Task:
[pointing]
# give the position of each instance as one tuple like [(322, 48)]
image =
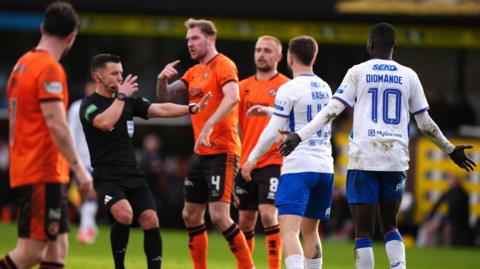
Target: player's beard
[(265, 68)]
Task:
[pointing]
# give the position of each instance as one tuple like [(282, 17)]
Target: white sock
[(294, 262), (87, 215), (396, 254), (364, 258), (314, 263)]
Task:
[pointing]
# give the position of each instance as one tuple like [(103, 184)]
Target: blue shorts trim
[(371, 187), (306, 194)]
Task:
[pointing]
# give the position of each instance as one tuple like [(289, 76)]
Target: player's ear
[(71, 37), (96, 76), (211, 39), (289, 59), (42, 28), (278, 57)]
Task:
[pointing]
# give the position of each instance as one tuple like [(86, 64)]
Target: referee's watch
[(121, 96), (191, 107)]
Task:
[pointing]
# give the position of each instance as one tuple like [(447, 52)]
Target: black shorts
[(139, 197), (261, 190), (42, 210), (210, 178), (113, 184)]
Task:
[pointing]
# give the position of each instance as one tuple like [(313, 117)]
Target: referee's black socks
[(152, 245), (119, 239)]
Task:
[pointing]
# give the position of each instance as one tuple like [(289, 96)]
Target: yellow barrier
[(432, 167), (251, 29)]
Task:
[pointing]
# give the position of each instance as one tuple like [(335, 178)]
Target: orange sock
[(274, 247), (250, 237), (238, 246), (198, 245)]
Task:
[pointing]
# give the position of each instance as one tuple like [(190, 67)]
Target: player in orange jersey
[(211, 174), (258, 92), (41, 144)]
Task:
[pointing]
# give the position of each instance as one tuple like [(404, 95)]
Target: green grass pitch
[(176, 256)]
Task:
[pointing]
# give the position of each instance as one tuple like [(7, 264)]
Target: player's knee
[(31, 258), (187, 217), (218, 218), (192, 218), (365, 232), (124, 217), (269, 220), (246, 225), (148, 220)]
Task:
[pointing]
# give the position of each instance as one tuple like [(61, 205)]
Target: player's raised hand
[(129, 85), (247, 171), (168, 71), (289, 143), (459, 157), (202, 104), (258, 110)]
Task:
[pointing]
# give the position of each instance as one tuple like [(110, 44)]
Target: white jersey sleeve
[(347, 91), (418, 102), (78, 134), (284, 101)]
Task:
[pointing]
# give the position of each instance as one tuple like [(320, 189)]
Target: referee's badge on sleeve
[(130, 128)]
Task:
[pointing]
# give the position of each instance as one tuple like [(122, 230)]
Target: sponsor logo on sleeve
[(53, 87)]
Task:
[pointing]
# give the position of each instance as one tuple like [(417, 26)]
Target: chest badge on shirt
[(205, 75), (130, 128), (272, 92)]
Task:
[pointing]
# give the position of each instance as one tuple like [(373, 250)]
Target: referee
[(107, 119)]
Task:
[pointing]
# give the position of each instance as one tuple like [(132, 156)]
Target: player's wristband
[(191, 107), (121, 96)]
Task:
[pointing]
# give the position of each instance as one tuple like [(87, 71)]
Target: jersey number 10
[(397, 96)]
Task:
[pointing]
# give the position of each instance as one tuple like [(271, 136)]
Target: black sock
[(7, 263), (50, 265), (119, 239), (152, 245)]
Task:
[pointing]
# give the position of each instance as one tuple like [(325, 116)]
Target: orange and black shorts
[(42, 211), (261, 190), (210, 178)]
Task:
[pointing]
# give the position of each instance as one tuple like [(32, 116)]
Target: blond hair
[(207, 27), (274, 39)]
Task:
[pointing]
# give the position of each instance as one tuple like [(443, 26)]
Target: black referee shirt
[(112, 149)]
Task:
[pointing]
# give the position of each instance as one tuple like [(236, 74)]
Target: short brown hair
[(274, 39), (207, 27), (61, 19), (304, 48)]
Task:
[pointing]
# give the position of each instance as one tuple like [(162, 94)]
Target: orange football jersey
[(200, 80), (36, 77), (258, 92)]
